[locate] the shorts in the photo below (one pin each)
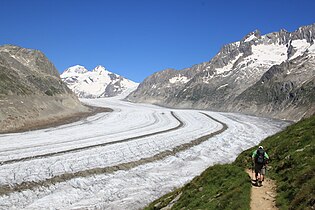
(258, 168)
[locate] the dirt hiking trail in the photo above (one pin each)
(263, 197)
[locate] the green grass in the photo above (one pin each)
(292, 164)
(219, 187)
(227, 186)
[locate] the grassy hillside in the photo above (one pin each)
(219, 187)
(227, 186)
(292, 164)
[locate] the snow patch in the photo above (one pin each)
(311, 49)
(269, 54)
(222, 86)
(179, 79)
(250, 38)
(237, 44)
(206, 79)
(229, 66)
(300, 46)
(74, 70)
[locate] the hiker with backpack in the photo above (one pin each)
(260, 159)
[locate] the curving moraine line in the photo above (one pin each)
(6, 162)
(80, 139)
(7, 189)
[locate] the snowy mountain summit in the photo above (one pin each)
(96, 83)
(271, 75)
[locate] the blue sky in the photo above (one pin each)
(135, 38)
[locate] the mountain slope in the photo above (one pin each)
(284, 90)
(220, 84)
(27, 72)
(219, 187)
(96, 83)
(31, 90)
(292, 164)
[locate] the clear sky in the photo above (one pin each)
(135, 38)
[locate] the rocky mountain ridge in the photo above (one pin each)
(230, 79)
(31, 91)
(96, 83)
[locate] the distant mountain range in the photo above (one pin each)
(270, 75)
(96, 83)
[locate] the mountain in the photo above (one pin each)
(96, 83)
(267, 75)
(31, 91)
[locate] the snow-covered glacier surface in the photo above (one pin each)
(93, 151)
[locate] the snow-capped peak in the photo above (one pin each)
(100, 69)
(77, 69)
(96, 83)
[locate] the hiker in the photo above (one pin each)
(260, 159)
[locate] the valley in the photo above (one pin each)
(122, 159)
(128, 105)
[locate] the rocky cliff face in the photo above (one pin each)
(285, 91)
(229, 80)
(28, 72)
(31, 90)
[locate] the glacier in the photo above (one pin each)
(130, 134)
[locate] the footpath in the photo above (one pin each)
(263, 197)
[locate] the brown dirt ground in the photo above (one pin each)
(263, 198)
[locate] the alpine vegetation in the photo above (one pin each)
(291, 164)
